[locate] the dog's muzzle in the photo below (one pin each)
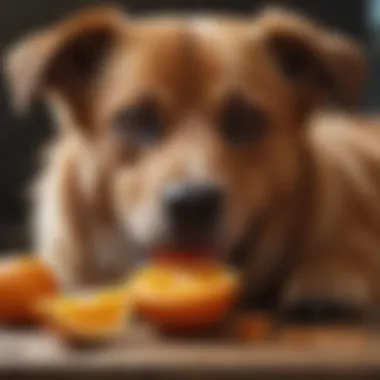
(193, 212)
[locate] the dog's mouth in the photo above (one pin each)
(185, 252)
(191, 245)
(188, 248)
(198, 243)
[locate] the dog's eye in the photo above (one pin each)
(243, 123)
(140, 124)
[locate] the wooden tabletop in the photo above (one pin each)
(37, 355)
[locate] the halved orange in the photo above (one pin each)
(93, 316)
(184, 296)
(23, 281)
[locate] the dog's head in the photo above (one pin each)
(201, 119)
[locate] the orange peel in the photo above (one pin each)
(23, 282)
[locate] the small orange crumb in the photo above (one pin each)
(253, 327)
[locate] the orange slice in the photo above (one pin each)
(90, 316)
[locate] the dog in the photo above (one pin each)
(207, 134)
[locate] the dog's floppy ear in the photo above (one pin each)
(319, 62)
(63, 59)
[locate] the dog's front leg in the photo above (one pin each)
(68, 256)
(61, 229)
(331, 287)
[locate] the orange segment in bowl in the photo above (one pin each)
(184, 297)
(88, 316)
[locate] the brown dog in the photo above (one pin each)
(198, 132)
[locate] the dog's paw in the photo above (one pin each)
(323, 310)
(318, 298)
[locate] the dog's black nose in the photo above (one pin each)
(192, 207)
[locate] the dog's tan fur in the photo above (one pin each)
(313, 176)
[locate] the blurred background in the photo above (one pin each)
(20, 139)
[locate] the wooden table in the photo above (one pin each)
(36, 355)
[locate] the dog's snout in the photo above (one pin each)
(193, 206)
